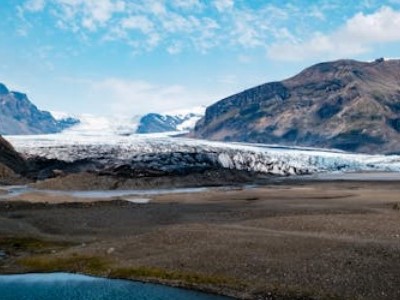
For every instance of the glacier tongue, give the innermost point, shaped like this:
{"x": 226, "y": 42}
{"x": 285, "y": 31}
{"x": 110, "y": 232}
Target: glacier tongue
{"x": 165, "y": 152}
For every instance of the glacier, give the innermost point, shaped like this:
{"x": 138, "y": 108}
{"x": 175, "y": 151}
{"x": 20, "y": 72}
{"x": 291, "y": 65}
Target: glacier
{"x": 89, "y": 124}
{"x": 161, "y": 151}
{"x": 98, "y": 125}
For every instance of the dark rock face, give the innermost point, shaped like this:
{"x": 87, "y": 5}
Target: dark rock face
{"x": 10, "y": 158}
{"x": 345, "y": 104}
{"x": 3, "y": 89}
{"x": 165, "y": 164}
{"x": 19, "y": 116}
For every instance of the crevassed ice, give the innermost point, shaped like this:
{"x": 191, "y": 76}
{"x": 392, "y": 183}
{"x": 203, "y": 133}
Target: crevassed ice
{"x": 241, "y": 156}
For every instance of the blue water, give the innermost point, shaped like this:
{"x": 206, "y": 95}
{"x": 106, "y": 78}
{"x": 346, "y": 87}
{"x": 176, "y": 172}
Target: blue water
{"x": 62, "y": 286}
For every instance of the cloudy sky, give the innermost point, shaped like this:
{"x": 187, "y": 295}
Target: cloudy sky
{"x": 134, "y": 56}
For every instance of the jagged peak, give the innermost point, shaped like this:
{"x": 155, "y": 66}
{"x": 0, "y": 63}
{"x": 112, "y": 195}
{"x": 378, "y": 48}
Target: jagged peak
{"x": 19, "y": 95}
{"x": 3, "y": 89}
{"x": 20, "y": 116}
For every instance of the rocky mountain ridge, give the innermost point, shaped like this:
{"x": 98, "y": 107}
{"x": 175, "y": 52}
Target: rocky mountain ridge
{"x": 345, "y": 104}
{"x": 18, "y": 115}
{"x": 88, "y": 124}
{"x": 168, "y": 122}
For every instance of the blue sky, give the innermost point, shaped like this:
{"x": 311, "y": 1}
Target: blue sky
{"x": 134, "y": 56}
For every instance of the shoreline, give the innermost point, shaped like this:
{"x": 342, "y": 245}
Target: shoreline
{"x": 179, "y": 285}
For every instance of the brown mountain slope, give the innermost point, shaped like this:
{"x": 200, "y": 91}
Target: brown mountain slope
{"x": 10, "y": 160}
{"x": 345, "y": 104}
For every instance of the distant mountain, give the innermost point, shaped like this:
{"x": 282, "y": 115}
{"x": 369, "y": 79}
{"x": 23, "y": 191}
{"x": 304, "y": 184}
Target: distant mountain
{"x": 18, "y": 115}
{"x": 153, "y": 122}
{"x": 64, "y": 120}
{"x": 88, "y": 124}
{"x": 182, "y": 120}
{"x": 345, "y": 104}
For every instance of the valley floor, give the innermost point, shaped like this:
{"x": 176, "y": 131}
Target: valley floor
{"x": 288, "y": 240}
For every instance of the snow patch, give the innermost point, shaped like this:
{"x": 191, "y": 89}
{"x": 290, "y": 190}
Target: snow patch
{"x": 197, "y": 110}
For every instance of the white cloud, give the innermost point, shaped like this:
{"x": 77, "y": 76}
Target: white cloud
{"x": 157, "y": 7}
{"x": 245, "y": 33}
{"x": 34, "y": 5}
{"x": 176, "y": 25}
{"x": 255, "y": 29}
{"x": 141, "y": 23}
{"x": 317, "y": 13}
{"x": 181, "y": 25}
{"x": 382, "y": 26}
{"x": 92, "y": 13}
{"x": 132, "y": 97}
{"x": 357, "y": 36}
{"x": 222, "y": 5}
{"x": 187, "y": 4}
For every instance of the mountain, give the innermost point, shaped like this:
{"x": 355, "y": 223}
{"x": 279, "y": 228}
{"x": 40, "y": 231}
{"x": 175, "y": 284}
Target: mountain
{"x": 64, "y": 120}
{"x": 18, "y": 115}
{"x": 152, "y": 123}
{"x": 181, "y": 120}
{"x": 345, "y": 104}
{"x": 87, "y": 124}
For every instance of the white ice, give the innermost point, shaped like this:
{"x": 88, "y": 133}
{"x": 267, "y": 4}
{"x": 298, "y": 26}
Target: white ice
{"x": 241, "y": 156}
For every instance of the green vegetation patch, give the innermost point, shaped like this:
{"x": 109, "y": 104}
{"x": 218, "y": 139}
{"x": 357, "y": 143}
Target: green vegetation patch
{"x": 93, "y": 265}
{"x": 184, "y": 277}
{"x": 75, "y": 263}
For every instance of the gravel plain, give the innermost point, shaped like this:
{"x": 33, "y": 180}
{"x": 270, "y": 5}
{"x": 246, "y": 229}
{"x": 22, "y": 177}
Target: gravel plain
{"x": 285, "y": 240}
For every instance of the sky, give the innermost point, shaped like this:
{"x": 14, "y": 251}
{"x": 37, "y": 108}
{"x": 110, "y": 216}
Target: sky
{"x": 130, "y": 57}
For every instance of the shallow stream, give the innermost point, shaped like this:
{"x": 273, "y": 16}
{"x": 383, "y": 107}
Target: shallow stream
{"x": 13, "y": 191}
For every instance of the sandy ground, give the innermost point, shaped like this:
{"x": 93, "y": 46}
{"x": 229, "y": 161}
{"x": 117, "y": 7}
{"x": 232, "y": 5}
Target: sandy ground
{"x": 297, "y": 240}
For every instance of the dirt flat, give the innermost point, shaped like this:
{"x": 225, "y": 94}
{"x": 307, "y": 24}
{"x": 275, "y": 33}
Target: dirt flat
{"x": 303, "y": 240}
